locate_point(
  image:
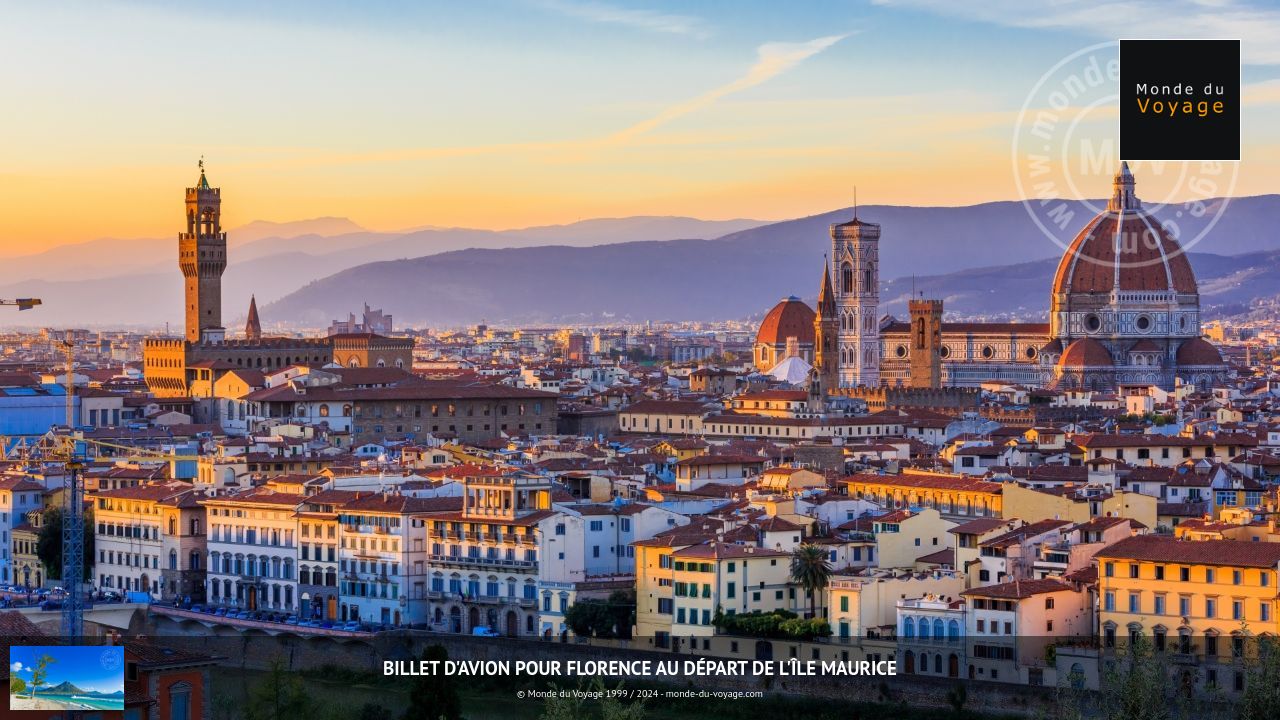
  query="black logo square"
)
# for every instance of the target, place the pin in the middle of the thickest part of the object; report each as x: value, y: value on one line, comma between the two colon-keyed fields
x: 1180, y: 99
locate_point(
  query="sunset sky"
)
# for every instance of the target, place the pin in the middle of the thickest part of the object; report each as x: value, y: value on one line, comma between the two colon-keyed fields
x: 500, y: 114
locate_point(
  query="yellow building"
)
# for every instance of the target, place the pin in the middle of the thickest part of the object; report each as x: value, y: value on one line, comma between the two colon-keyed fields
x: 1196, y: 598
x: 1077, y: 503
x: 771, y: 403
x: 902, y: 536
x: 682, y: 580
x: 150, y: 538
x: 866, y: 606
x: 953, y: 496
x: 28, y: 571
x: 682, y: 448
x: 790, y: 480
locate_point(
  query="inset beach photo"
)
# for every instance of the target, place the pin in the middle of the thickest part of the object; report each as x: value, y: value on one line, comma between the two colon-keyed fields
x: 66, y: 677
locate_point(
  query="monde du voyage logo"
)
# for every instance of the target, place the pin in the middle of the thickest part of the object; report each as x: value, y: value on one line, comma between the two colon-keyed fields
x: 1180, y: 100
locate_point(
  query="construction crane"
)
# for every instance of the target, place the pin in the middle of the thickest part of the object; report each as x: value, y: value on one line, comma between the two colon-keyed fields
x: 23, y: 303
x: 72, y: 454
x: 72, y: 508
x: 73, y: 498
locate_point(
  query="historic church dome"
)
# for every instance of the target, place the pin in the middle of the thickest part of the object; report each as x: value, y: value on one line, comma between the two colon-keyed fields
x: 790, y: 318
x: 1086, y: 352
x: 1198, y: 351
x: 1125, y: 303
x: 1124, y: 249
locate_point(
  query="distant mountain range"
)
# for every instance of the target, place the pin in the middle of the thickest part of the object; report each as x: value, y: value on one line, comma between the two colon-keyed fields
x: 983, y: 259
x: 67, y: 688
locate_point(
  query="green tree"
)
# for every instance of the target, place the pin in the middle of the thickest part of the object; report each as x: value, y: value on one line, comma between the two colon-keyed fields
x: 40, y: 673
x: 49, y: 544
x: 811, y: 570
x: 612, y: 704
x: 434, y: 696
x: 16, y: 685
x: 1135, y: 688
x: 280, y: 696
x: 1262, y: 687
x: 374, y: 711
x: 610, y: 618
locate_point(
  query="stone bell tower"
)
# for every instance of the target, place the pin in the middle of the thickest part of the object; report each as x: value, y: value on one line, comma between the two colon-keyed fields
x: 202, y: 255
x: 926, y: 343
x: 855, y: 255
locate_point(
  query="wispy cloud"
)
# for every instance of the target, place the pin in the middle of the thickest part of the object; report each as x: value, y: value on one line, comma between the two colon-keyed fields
x: 650, y: 20
x: 15, y: 667
x: 772, y: 59
x: 1256, y: 26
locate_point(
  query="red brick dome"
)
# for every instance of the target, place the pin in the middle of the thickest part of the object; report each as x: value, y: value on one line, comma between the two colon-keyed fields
x: 789, y: 318
x: 1198, y: 351
x: 1086, y: 352
x: 1124, y: 249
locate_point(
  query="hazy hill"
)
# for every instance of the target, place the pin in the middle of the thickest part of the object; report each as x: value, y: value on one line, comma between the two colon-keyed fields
x: 340, y: 242
x: 983, y: 258
x: 680, y: 280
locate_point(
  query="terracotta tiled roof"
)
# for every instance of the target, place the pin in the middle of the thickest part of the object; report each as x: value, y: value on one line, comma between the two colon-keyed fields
x: 925, y: 480
x: 789, y: 318
x: 1019, y: 589
x: 1232, y: 553
x: 715, y: 550
x: 1153, y: 260
x: 1198, y: 351
x: 1085, y: 352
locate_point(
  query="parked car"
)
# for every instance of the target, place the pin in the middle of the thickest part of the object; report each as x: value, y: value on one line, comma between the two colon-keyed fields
x: 484, y: 631
x: 196, y: 608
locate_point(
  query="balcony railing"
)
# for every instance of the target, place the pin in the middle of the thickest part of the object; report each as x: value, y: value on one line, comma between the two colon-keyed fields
x: 481, y: 561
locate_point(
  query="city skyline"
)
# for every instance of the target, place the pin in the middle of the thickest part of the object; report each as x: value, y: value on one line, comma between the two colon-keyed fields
x: 599, y: 110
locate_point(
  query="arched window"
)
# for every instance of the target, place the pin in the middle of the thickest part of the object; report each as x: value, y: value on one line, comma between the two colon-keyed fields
x: 866, y: 280
x: 173, y: 559
x: 324, y: 410
x: 919, y: 333
x: 924, y: 629
x: 908, y: 628
x: 180, y: 701
x: 937, y: 629
x: 953, y: 631
x: 846, y: 278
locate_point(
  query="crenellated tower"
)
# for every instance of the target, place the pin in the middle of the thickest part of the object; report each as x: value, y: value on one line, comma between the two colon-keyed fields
x: 926, y: 343
x: 202, y: 255
x: 855, y: 257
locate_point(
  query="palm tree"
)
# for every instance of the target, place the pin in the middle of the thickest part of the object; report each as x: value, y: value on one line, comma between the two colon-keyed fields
x: 811, y: 570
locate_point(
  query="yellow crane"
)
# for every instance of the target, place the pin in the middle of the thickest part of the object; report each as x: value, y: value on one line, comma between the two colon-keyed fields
x: 68, y: 343
x: 23, y: 303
